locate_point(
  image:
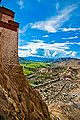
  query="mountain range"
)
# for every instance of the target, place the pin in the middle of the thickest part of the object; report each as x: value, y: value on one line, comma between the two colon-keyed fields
x: 43, y: 59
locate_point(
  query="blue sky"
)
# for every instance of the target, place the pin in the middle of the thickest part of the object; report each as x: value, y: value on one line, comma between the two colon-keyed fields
x: 48, y: 28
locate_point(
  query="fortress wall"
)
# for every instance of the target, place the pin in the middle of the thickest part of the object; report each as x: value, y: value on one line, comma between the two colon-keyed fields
x: 8, y: 37
x: 9, y: 46
x: 0, y: 46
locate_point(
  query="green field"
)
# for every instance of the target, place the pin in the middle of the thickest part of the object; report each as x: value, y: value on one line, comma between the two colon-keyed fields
x: 30, y: 67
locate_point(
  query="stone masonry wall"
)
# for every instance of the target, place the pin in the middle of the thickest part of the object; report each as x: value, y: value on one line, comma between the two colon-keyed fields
x: 0, y: 53
x: 9, y: 46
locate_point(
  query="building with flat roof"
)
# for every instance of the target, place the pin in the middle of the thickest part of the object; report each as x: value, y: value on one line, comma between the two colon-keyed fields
x: 8, y: 37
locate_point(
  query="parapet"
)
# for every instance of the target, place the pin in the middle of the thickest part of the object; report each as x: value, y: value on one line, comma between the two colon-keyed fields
x: 7, y: 11
x: 7, y: 19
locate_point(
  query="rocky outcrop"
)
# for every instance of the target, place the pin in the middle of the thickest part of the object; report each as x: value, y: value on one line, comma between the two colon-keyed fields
x: 64, y: 111
x: 18, y: 101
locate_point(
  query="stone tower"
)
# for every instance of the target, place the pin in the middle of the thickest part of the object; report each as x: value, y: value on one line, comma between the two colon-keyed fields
x: 8, y: 37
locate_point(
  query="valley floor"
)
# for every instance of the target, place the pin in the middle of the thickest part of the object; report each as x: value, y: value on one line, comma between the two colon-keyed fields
x: 59, y: 86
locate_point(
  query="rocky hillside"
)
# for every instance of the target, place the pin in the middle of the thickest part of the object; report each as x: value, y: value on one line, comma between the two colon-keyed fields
x: 59, y: 86
x: 18, y: 101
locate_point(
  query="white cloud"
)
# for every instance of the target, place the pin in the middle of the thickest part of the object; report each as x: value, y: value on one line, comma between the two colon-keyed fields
x: 28, y: 52
x: 52, y: 24
x: 23, y: 53
x: 64, y: 53
x: 53, y: 41
x: 73, y: 43
x: 45, y: 36
x: 70, y: 29
x: 54, y: 54
x: 40, y: 44
x: 20, y: 3
x: 73, y: 54
x: 32, y: 47
x: 47, y: 53
x: 37, y: 41
x: 75, y: 37
x: 50, y: 50
x: 22, y: 41
x: 78, y: 43
x: 23, y: 30
x: 61, y: 53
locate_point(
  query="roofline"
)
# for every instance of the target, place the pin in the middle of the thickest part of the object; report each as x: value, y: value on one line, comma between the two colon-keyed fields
x: 13, y: 23
x: 7, y: 11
